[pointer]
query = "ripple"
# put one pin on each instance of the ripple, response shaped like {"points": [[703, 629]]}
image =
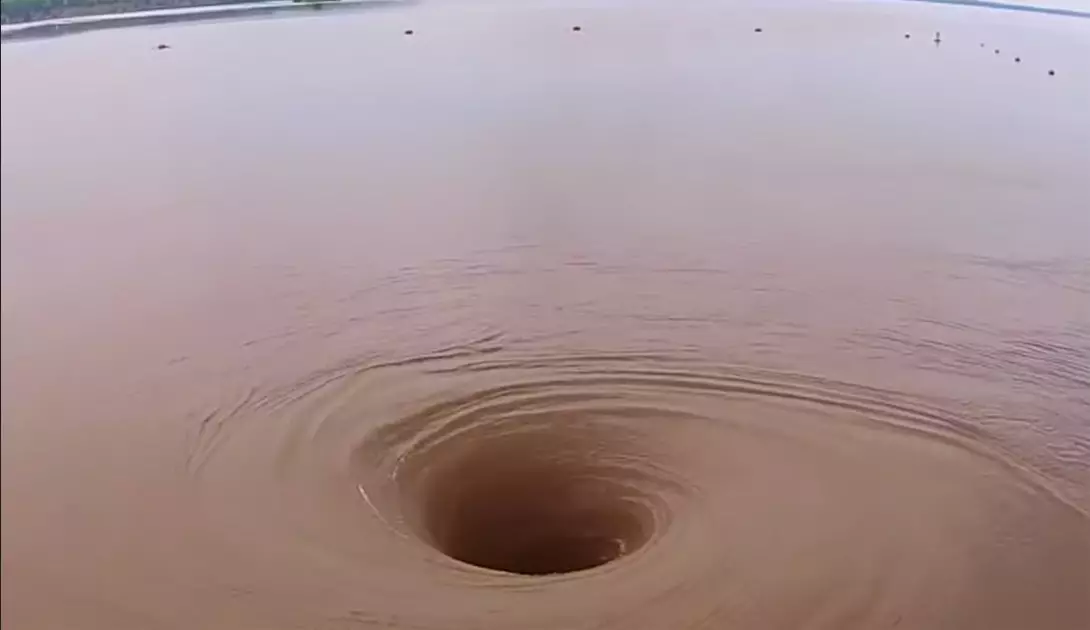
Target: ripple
{"points": [[640, 490]]}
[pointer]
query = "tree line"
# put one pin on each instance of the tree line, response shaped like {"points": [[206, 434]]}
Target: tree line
{"points": [[15, 11]]}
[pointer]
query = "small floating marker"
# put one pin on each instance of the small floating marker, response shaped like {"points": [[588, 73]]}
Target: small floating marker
{"points": [[1051, 73], [997, 51], [982, 44], [907, 36], [162, 46], [938, 37], [758, 30], [408, 31], [577, 28], [1017, 60]]}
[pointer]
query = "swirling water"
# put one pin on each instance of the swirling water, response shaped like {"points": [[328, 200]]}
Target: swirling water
{"points": [[663, 323]]}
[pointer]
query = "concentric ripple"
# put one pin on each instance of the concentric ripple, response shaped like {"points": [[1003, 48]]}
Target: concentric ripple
{"points": [[627, 491]]}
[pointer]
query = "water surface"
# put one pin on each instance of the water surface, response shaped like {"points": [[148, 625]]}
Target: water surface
{"points": [[664, 323]]}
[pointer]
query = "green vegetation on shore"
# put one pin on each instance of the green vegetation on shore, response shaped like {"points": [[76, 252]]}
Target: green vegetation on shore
{"points": [[15, 11]]}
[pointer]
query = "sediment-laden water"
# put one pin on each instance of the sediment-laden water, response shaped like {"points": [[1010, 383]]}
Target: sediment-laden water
{"points": [[751, 315]]}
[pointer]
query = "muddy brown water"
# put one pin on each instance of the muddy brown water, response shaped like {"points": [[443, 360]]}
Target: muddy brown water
{"points": [[659, 324]]}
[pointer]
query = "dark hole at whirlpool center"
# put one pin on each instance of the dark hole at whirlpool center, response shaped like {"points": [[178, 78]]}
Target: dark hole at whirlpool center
{"points": [[516, 509]]}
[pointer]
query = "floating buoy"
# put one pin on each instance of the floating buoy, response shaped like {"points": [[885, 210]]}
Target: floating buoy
{"points": [[1051, 73], [1017, 60], [758, 30], [997, 51], [577, 28], [907, 36], [408, 31], [162, 47]]}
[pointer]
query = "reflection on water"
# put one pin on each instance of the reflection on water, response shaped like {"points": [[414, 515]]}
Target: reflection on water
{"points": [[661, 324]]}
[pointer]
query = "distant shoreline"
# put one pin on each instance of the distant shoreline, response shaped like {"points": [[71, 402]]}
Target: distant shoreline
{"points": [[29, 11], [1010, 6], [16, 12], [215, 9], [107, 16]]}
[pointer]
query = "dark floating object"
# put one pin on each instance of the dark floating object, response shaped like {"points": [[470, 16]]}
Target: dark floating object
{"points": [[162, 47], [1051, 73], [907, 36], [758, 30], [938, 37], [997, 51], [408, 31], [1017, 60], [577, 28], [982, 45]]}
